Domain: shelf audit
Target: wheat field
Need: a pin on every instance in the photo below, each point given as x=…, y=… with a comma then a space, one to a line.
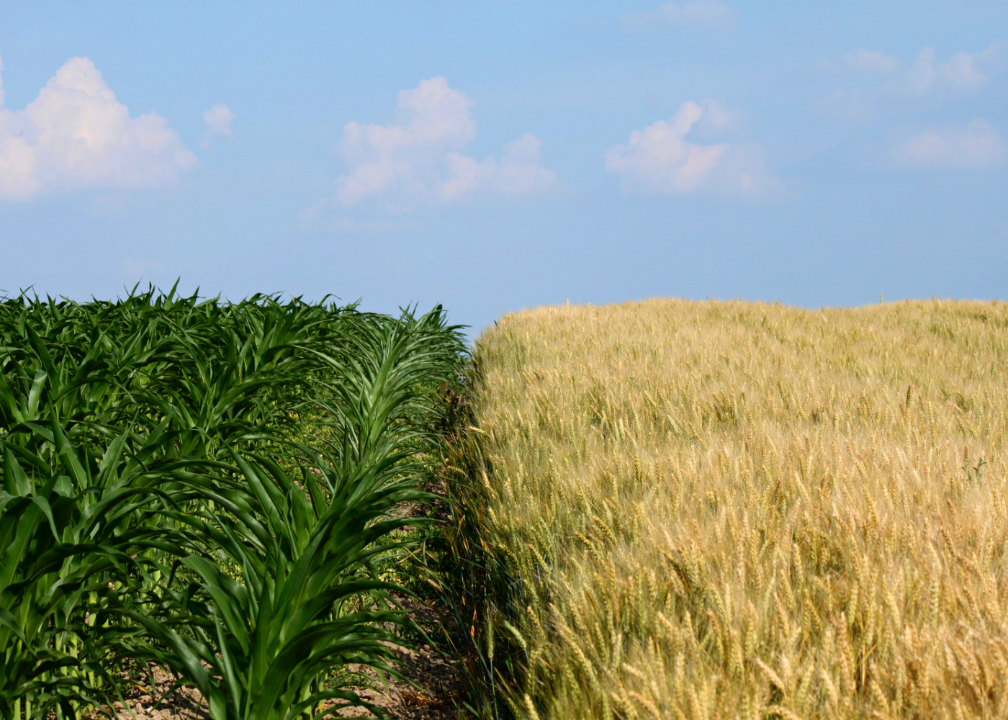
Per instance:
x=735, y=510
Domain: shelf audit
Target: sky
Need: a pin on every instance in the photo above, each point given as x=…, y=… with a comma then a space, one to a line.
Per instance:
x=493, y=156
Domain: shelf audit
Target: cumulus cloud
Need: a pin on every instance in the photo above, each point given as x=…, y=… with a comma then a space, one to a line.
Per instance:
x=717, y=120
x=698, y=13
x=217, y=123
x=661, y=160
x=927, y=74
x=961, y=72
x=520, y=167
x=975, y=146
x=418, y=159
x=877, y=84
x=75, y=134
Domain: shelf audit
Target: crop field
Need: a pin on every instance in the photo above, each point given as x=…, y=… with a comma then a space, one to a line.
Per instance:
x=727, y=510
x=209, y=488
x=664, y=509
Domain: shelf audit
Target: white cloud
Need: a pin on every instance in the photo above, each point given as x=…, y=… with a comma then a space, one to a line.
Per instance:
x=698, y=13
x=960, y=73
x=873, y=61
x=717, y=119
x=217, y=121
x=417, y=159
x=927, y=74
x=75, y=134
x=660, y=160
x=883, y=84
x=976, y=146
x=520, y=167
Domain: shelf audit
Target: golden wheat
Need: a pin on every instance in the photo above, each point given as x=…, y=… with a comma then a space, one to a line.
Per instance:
x=720, y=510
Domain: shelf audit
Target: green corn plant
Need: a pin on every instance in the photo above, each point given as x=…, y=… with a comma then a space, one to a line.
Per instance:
x=74, y=504
x=260, y=634
x=150, y=509
x=71, y=522
x=70, y=533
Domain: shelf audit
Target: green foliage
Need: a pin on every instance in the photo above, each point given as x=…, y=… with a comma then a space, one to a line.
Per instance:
x=162, y=500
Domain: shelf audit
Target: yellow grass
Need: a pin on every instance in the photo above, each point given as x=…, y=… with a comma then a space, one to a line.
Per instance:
x=719, y=510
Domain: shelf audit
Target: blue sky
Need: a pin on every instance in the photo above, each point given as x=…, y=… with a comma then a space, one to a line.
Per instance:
x=495, y=156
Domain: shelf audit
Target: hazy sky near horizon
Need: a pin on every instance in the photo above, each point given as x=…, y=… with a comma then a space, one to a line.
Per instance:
x=493, y=156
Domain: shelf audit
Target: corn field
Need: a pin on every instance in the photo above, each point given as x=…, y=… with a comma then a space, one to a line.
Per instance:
x=210, y=488
x=728, y=510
